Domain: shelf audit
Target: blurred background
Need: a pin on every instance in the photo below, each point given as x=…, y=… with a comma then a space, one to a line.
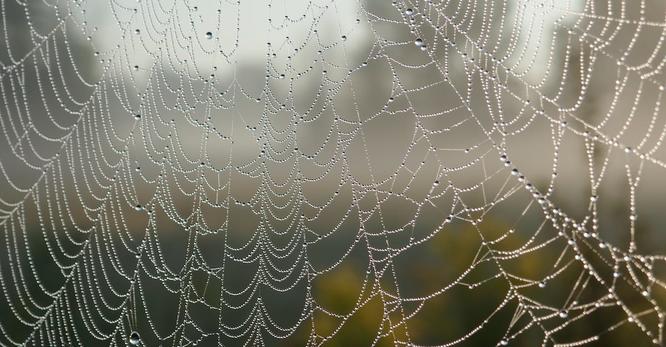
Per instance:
x=344, y=173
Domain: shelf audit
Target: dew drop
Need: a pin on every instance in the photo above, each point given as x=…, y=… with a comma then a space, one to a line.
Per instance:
x=409, y=12
x=134, y=338
x=418, y=42
x=563, y=314
x=209, y=35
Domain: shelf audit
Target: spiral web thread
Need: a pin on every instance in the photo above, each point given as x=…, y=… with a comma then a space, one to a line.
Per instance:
x=186, y=172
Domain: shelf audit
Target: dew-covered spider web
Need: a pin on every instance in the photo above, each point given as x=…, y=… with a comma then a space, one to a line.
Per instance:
x=332, y=172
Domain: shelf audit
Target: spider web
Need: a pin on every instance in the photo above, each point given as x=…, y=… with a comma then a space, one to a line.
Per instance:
x=344, y=172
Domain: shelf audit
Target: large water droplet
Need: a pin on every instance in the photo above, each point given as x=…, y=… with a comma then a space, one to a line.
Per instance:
x=134, y=338
x=418, y=42
x=209, y=35
x=409, y=12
